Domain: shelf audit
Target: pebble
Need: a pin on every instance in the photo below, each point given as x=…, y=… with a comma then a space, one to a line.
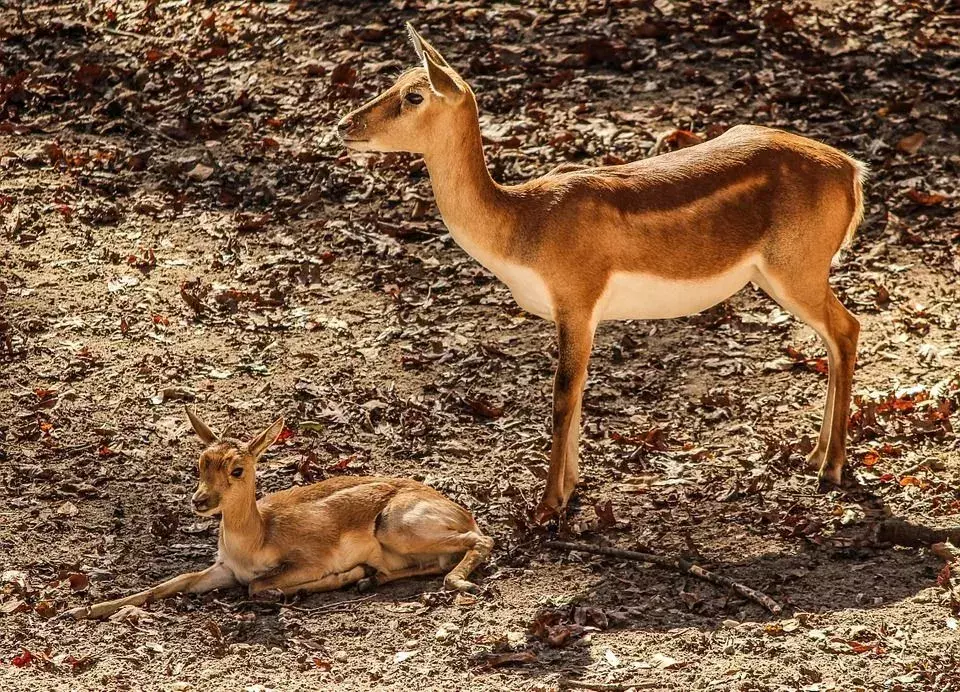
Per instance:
x=446, y=632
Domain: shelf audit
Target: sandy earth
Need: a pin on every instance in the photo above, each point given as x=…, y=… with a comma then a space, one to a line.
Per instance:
x=176, y=224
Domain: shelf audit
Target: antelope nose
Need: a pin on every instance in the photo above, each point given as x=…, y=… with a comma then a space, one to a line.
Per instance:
x=344, y=126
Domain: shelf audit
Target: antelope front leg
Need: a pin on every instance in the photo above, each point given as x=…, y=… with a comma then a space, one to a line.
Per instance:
x=575, y=339
x=214, y=577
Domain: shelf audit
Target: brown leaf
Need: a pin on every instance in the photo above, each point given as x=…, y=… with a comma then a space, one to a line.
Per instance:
x=604, y=512
x=911, y=143
x=78, y=581
x=926, y=199
x=200, y=172
x=483, y=408
x=513, y=657
x=193, y=293
x=680, y=139
x=15, y=605
x=343, y=74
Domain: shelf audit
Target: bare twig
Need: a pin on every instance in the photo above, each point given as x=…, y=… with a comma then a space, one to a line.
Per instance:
x=567, y=684
x=331, y=607
x=677, y=564
x=128, y=34
x=327, y=608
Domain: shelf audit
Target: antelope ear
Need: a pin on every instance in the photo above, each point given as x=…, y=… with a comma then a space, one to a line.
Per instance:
x=443, y=79
x=422, y=46
x=203, y=432
x=416, y=39
x=261, y=442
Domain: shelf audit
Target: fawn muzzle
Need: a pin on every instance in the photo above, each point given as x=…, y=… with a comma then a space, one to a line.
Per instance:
x=203, y=502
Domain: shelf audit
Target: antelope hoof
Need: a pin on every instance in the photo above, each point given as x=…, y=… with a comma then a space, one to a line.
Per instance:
x=545, y=512
x=830, y=477
x=367, y=584
x=458, y=584
x=815, y=459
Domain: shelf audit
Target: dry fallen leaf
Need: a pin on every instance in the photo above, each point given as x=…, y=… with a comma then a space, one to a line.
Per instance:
x=511, y=658
x=911, y=143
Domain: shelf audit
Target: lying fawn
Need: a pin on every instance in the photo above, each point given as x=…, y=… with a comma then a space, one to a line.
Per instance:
x=318, y=537
x=658, y=238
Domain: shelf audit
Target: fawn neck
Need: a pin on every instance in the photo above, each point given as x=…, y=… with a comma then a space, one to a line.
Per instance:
x=476, y=210
x=241, y=523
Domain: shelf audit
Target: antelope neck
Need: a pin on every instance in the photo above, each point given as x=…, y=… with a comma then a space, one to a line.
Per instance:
x=476, y=210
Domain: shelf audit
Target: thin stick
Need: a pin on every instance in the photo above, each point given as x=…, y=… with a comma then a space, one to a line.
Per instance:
x=128, y=34
x=330, y=607
x=567, y=684
x=327, y=608
x=677, y=564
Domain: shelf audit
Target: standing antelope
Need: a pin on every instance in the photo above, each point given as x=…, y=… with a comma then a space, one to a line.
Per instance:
x=318, y=537
x=659, y=238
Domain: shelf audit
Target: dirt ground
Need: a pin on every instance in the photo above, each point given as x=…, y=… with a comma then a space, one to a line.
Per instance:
x=178, y=224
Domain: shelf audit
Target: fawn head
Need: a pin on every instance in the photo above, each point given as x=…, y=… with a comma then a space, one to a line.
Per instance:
x=419, y=111
x=227, y=466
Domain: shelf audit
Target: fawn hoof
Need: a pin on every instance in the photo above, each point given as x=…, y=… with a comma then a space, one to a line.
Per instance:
x=367, y=584
x=458, y=584
x=81, y=613
x=267, y=595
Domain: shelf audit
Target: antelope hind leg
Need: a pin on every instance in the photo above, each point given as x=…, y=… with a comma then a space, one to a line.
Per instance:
x=818, y=306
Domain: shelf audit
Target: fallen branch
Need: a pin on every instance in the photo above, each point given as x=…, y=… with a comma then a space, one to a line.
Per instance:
x=677, y=564
x=900, y=532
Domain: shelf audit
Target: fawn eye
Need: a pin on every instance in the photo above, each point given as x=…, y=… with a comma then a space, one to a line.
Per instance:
x=237, y=472
x=414, y=98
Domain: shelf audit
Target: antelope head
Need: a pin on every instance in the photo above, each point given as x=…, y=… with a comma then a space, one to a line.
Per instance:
x=227, y=467
x=418, y=112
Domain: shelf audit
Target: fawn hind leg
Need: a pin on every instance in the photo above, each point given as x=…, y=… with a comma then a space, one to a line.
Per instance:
x=293, y=581
x=423, y=536
x=815, y=303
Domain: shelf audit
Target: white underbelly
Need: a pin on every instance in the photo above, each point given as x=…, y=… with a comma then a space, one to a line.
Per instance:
x=638, y=296
x=628, y=295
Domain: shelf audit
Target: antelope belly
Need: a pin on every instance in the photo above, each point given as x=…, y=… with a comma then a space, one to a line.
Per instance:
x=639, y=296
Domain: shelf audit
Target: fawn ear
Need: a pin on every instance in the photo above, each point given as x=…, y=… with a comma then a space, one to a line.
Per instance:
x=443, y=79
x=261, y=442
x=203, y=432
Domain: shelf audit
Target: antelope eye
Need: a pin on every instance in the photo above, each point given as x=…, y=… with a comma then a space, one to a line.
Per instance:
x=237, y=472
x=414, y=98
